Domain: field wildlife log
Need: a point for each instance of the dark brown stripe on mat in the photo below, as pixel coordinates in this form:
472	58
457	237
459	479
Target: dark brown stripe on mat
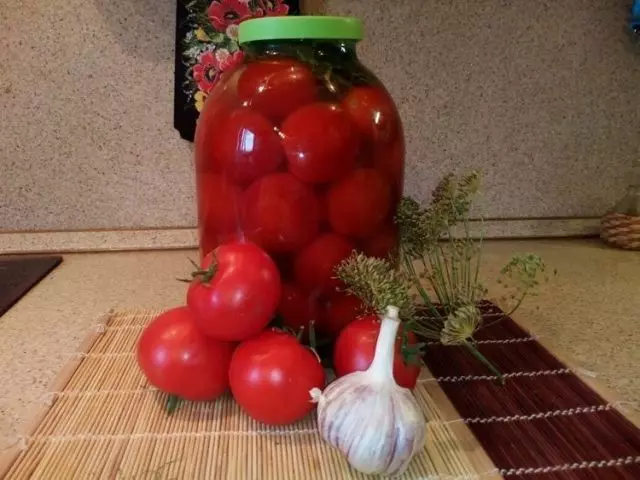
545	422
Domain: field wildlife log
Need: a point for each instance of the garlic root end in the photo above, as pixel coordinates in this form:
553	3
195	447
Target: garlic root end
316	395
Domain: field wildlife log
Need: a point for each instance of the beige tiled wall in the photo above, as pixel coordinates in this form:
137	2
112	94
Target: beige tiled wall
542	95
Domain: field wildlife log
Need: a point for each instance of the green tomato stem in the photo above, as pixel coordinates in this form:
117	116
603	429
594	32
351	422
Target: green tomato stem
204	276
312	335
300	333
172	403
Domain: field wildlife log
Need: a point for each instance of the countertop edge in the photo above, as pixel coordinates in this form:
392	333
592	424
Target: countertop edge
187	237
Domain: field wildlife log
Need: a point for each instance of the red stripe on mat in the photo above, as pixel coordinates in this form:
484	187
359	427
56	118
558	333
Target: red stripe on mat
588	443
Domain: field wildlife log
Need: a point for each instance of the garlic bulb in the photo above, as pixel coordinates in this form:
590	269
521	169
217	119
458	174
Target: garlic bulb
376	424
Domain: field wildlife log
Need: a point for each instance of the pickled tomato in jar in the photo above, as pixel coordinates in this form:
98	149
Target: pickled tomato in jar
300	150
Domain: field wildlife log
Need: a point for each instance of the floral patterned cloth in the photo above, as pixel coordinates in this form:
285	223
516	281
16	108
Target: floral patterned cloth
207	46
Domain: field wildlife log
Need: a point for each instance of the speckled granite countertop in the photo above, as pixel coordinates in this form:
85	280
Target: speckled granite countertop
590	310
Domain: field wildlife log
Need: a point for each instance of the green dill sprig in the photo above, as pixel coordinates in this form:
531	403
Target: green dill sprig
414	237
451	202
450	265
377	283
524	269
520	277
459	328
443	268
460	325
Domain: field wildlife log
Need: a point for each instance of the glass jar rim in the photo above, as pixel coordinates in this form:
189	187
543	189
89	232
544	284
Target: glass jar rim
319	27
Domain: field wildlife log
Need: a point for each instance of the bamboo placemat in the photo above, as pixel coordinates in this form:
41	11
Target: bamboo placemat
546	422
103	420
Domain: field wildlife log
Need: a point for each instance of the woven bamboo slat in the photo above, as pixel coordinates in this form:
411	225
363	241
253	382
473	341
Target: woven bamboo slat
621	231
103	420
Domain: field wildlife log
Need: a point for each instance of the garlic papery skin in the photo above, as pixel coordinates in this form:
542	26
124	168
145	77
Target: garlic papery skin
377	424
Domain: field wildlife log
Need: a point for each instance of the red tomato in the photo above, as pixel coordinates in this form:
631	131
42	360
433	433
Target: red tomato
298	307
340	309
271	375
246	146
315	265
280	213
389	159
355	348
178	359
219	204
320	142
321	193
206	141
284	262
212	239
241	296
382	243
358	203
277	87
373	111
218	208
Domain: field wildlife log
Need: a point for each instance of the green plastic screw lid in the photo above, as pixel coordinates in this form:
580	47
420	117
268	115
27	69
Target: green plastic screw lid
300	27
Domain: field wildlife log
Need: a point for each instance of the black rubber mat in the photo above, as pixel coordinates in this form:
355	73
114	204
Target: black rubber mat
20	273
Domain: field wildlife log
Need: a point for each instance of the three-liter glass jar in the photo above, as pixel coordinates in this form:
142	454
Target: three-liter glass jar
300	150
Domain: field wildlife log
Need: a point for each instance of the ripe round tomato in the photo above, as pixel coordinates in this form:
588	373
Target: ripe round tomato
280	213
315	265
178	359
358	203
276	87
210	120
271	375
382	243
298	307
355	349
246	146
220	201
389	159
218	209
241	296
340	309
320	142
284	262
212	239
373	111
